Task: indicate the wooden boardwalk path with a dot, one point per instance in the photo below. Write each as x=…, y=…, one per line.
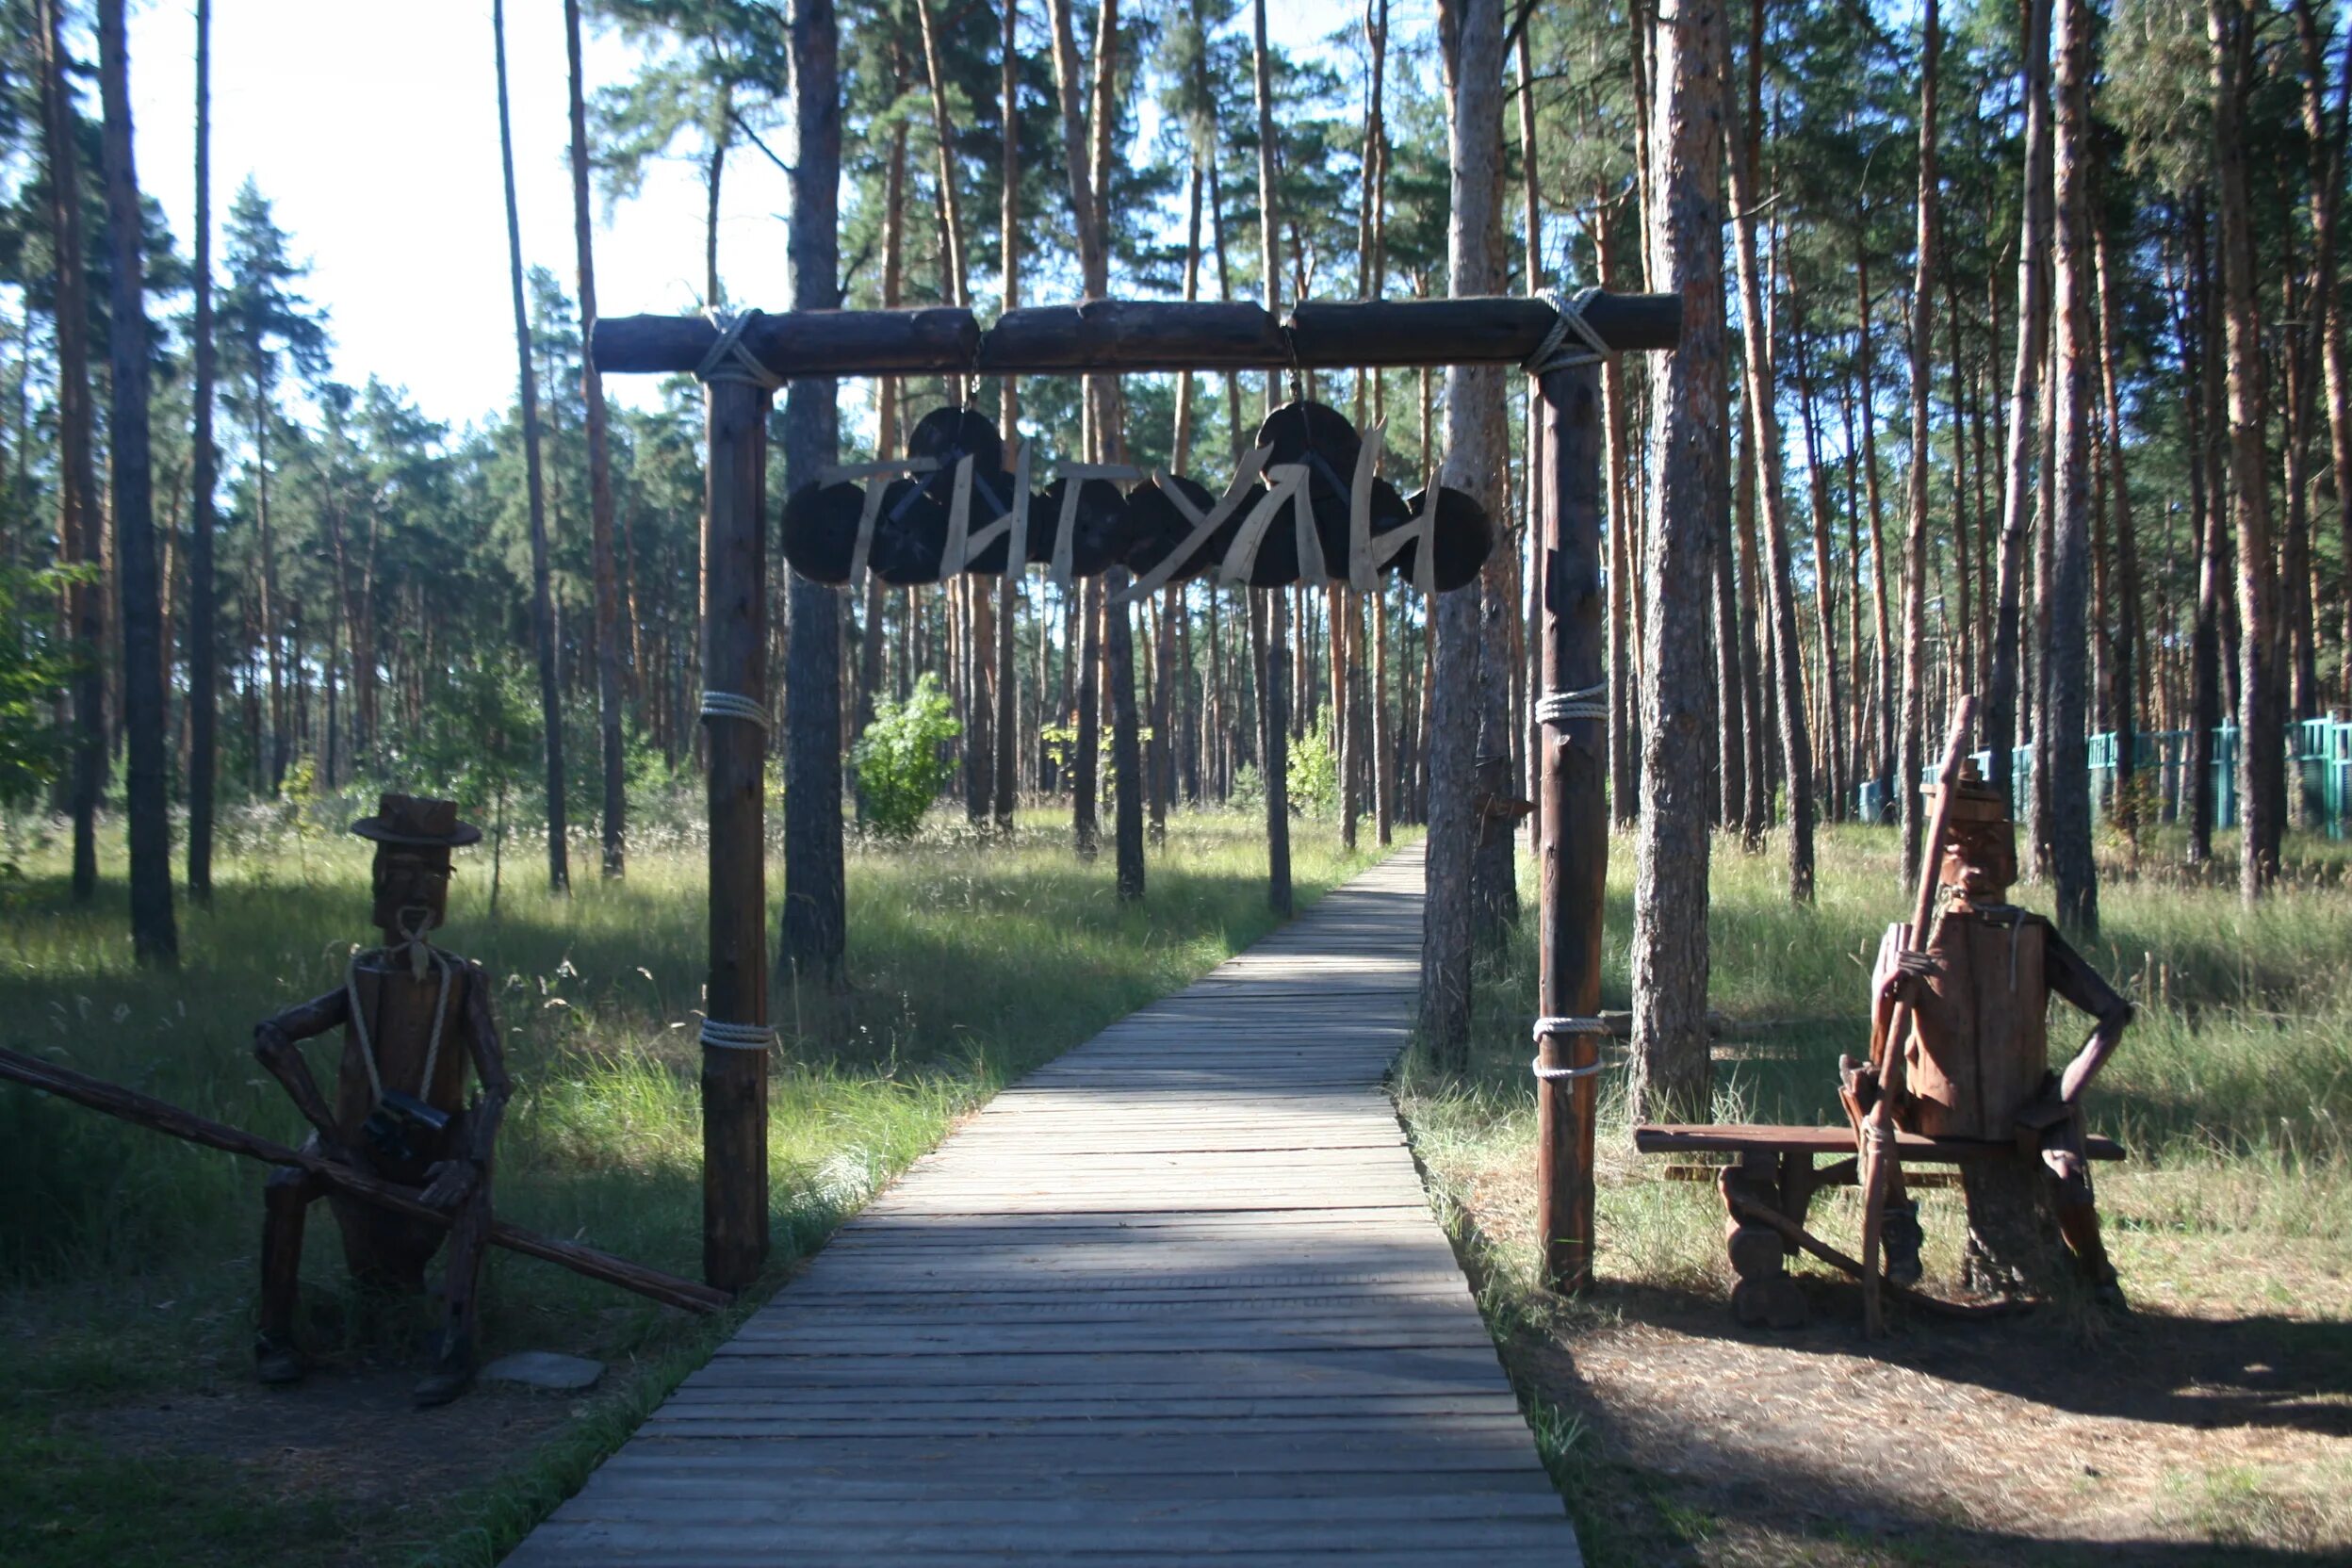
x=1177, y=1296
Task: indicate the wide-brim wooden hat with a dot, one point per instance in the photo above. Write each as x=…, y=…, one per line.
x=1972, y=798
x=418, y=821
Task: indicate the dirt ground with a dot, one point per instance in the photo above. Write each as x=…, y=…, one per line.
x=2174, y=1439
x=347, y=1436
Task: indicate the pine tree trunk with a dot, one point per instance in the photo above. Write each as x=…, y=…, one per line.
x=1274, y=687
x=1008, y=592
x=815, y=917
x=2128, y=672
x=154, y=934
x=1912, y=731
x=1764, y=434
x=1671, y=1071
x=599, y=482
x=1755, y=815
x=78, y=526
x=1883, y=753
x=2075, y=870
x=542, y=607
x=2005, y=683
x=2205, y=663
x=2260, y=769
x=1833, y=777
x=204, y=637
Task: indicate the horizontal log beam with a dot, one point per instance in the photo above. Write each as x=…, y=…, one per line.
x=157, y=1115
x=1136, y=336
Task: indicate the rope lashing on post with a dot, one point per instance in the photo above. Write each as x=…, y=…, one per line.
x=1549, y=1028
x=736, y=1036
x=728, y=705
x=1557, y=351
x=1584, y=702
x=731, y=359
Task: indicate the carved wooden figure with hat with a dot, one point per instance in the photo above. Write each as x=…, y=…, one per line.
x=1976, y=1058
x=417, y=1025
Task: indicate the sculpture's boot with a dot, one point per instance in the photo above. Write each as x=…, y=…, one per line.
x=452, y=1373
x=1898, y=1241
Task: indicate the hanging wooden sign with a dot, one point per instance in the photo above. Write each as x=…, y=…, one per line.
x=1305, y=504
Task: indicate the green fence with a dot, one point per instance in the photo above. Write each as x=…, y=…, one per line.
x=2319, y=774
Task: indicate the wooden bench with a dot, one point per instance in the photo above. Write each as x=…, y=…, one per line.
x=1773, y=1167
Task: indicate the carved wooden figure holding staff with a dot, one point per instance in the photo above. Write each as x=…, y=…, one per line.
x=1975, y=1058
x=417, y=1025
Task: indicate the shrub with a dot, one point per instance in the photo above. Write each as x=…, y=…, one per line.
x=1313, y=774
x=902, y=759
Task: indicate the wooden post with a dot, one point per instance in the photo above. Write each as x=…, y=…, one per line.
x=1573, y=862
x=735, y=1002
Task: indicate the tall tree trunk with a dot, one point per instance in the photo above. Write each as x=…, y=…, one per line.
x=815, y=921
x=2261, y=771
x=1275, y=691
x=1911, y=761
x=2203, y=372
x=204, y=637
x=542, y=608
x=2074, y=868
x=1765, y=436
x=2127, y=671
x=1624, y=740
x=888, y=436
x=1672, y=1074
x=1471, y=32
x=600, y=481
x=2017, y=486
x=154, y=934
x=1008, y=592
x=1755, y=813
x=1882, y=701
x=1831, y=754
x=78, y=526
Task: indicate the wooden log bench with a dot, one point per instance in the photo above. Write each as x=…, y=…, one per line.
x=1773, y=1167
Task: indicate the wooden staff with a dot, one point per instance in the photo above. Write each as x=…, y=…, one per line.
x=1877, y=1133
x=157, y=1115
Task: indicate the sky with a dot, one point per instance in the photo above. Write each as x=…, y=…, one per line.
x=374, y=130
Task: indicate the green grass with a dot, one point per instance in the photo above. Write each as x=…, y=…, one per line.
x=2232, y=1090
x=127, y=1260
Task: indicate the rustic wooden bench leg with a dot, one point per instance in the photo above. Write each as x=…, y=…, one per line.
x=1764, y=1293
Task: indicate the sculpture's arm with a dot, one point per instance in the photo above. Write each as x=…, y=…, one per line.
x=481, y=1037
x=468, y=1169
x=2072, y=977
x=275, y=1040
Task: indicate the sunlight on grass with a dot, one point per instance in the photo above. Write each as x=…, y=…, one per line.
x=969, y=962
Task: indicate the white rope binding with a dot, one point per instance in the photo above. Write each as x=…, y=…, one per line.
x=1551, y=1026
x=1585, y=702
x=727, y=705
x=420, y=955
x=1557, y=353
x=729, y=359
x=737, y=1036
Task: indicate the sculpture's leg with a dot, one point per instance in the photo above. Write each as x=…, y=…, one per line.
x=286, y=1200
x=469, y=1238
x=2077, y=1209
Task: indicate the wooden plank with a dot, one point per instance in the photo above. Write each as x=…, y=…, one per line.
x=1739, y=1139
x=1178, y=1295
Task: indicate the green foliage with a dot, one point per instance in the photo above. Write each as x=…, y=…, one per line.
x=901, y=761
x=1314, y=772
x=31, y=671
